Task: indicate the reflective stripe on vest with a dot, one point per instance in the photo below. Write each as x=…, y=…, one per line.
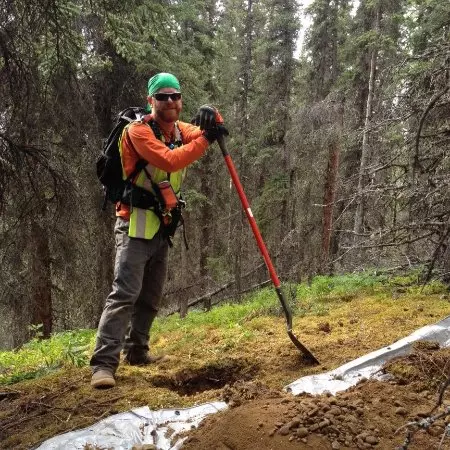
x=144, y=223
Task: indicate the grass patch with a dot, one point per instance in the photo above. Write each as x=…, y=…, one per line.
x=342, y=287
x=226, y=326
x=39, y=357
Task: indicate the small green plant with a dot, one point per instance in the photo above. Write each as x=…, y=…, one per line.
x=342, y=287
x=434, y=287
x=38, y=357
x=36, y=331
x=404, y=280
x=77, y=355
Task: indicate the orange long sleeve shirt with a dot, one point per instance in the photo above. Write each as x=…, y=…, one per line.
x=141, y=143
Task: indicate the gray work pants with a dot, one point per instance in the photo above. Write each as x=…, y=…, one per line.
x=139, y=275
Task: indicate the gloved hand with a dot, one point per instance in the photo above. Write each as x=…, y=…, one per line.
x=207, y=117
x=213, y=133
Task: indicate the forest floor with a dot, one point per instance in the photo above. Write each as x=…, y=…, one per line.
x=248, y=370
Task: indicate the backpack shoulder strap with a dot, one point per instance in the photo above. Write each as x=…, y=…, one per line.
x=155, y=128
x=140, y=165
x=157, y=131
x=178, y=135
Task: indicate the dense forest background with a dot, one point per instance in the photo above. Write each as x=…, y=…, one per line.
x=342, y=145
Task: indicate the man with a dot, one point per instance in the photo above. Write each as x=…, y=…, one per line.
x=167, y=145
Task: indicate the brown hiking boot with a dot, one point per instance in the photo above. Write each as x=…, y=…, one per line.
x=103, y=379
x=139, y=358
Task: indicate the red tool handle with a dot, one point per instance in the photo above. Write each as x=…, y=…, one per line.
x=251, y=219
x=263, y=249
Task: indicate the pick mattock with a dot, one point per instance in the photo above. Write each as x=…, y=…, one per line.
x=263, y=249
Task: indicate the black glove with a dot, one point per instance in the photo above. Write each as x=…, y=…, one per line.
x=207, y=117
x=213, y=133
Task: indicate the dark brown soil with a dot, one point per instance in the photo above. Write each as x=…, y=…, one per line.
x=369, y=415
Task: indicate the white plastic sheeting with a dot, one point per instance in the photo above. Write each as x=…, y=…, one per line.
x=369, y=365
x=137, y=427
x=162, y=428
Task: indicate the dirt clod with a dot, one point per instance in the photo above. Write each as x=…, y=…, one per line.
x=325, y=327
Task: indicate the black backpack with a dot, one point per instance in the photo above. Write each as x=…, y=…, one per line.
x=109, y=165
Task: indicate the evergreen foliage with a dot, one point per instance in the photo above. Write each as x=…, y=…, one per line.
x=342, y=151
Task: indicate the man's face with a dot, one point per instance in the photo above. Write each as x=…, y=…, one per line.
x=165, y=107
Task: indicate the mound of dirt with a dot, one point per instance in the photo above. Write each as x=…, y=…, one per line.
x=372, y=414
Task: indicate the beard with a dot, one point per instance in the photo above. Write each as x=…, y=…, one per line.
x=168, y=115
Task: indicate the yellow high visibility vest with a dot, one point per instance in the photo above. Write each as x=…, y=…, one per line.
x=144, y=223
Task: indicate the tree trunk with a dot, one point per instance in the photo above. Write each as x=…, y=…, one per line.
x=183, y=300
x=365, y=148
x=246, y=77
x=328, y=201
x=285, y=98
x=41, y=307
x=206, y=222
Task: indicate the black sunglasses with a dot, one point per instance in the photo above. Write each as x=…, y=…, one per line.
x=163, y=97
